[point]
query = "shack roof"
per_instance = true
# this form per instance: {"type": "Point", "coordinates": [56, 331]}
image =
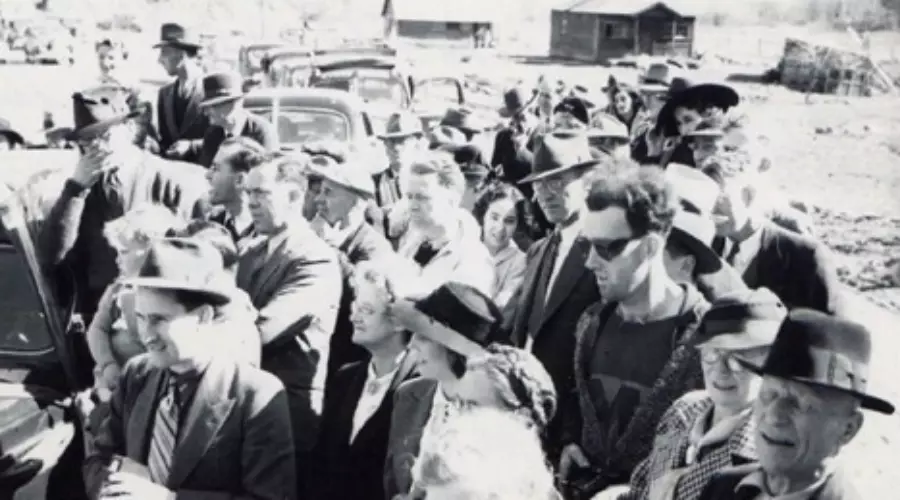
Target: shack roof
{"type": "Point", "coordinates": [624, 7]}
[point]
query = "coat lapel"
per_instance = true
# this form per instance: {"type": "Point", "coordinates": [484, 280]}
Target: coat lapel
{"type": "Point", "coordinates": [211, 407]}
{"type": "Point", "coordinates": [529, 285]}
{"type": "Point", "coordinates": [169, 104]}
{"type": "Point", "coordinates": [271, 262]}
{"type": "Point", "coordinates": [143, 413]}
{"type": "Point", "coordinates": [192, 111]}
{"type": "Point", "coordinates": [569, 275]}
{"type": "Point", "coordinates": [404, 370]}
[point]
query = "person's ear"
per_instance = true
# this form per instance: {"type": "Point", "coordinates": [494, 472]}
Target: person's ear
{"type": "Point", "coordinates": [851, 428]}
{"type": "Point", "coordinates": [206, 314]}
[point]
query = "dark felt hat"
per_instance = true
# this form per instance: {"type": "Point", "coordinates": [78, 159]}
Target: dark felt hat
{"type": "Point", "coordinates": [402, 124]}
{"type": "Point", "coordinates": [515, 100]}
{"type": "Point", "coordinates": [742, 319]}
{"type": "Point", "coordinates": [7, 130]}
{"type": "Point", "coordinates": [185, 264]}
{"type": "Point", "coordinates": [99, 109]}
{"type": "Point", "coordinates": [222, 87]}
{"type": "Point", "coordinates": [576, 107]}
{"type": "Point", "coordinates": [455, 315]}
{"type": "Point", "coordinates": [821, 350]}
{"type": "Point", "coordinates": [470, 159]}
{"type": "Point", "coordinates": [558, 152]}
{"type": "Point", "coordinates": [176, 35]}
{"type": "Point", "coordinates": [688, 92]}
{"type": "Point", "coordinates": [462, 119]}
{"type": "Point", "coordinates": [443, 136]}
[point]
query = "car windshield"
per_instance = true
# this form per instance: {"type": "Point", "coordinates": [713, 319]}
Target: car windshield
{"type": "Point", "coordinates": [255, 56]}
{"type": "Point", "coordinates": [376, 87]}
{"type": "Point", "coordinates": [301, 125]}
{"type": "Point", "coordinates": [23, 327]}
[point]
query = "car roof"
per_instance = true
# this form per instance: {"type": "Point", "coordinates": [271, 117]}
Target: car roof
{"type": "Point", "coordinates": [310, 96]}
{"type": "Point", "coordinates": [355, 61]}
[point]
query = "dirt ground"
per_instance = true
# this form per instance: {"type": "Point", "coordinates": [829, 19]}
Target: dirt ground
{"type": "Point", "coordinates": [840, 156]}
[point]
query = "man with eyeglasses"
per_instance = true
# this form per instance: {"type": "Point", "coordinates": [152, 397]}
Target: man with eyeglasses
{"type": "Point", "coordinates": [632, 352]}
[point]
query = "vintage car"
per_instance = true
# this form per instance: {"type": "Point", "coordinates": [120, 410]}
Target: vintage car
{"type": "Point", "coordinates": [250, 57]}
{"type": "Point", "coordinates": [288, 68]}
{"type": "Point", "coordinates": [304, 115]}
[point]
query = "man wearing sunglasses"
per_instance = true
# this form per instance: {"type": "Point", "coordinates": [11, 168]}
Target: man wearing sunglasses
{"type": "Point", "coordinates": [631, 354]}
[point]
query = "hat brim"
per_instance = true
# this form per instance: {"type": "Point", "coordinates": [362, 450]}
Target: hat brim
{"type": "Point", "coordinates": [95, 129]}
{"type": "Point", "coordinates": [753, 334]}
{"type": "Point", "coordinates": [705, 134]}
{"type": "Point", "coordinates": [718, 95]}
{"type": "Point", "coordinates": [220, 100]}
{"type": "Point", "coordinates": [707, 260]}
{"type": "Point", "coordinates": [327, 174]}
{"type": "Point", "coordinates": [657, 88]}
{"type": "Point", "coordinates": [866, 401]}
{"type": "Point", "coordinates": [420, 323]}
{"type": "Point", "coordinates": [176, 44]}
{"type": "Point", "coordinates": [217, 296]}
{"type": "Point", "coordinates": [12, 134]}
{"type": "Point", "coordinates": [556, 171]}
{"type": "Point", "coordinates": [401, 135]}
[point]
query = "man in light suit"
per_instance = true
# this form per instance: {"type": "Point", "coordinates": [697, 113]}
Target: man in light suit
{"type": "Point", "coordinates": [294, 281]}
{"type": "Point", "coordinates": [181, 122]}
{"type": "Point", "coordinates": [188, 421]}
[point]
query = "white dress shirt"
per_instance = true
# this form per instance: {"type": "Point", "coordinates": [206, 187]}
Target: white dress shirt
{"type": "Point", "coordinates": [747, 251]}
{"type": "Point", "coordinates": [372, 395]}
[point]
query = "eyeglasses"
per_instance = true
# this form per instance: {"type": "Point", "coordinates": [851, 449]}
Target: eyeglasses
{"type": "Point", "coordinates": [610, 249]}
{"type": "Point", "coordinates": [713, 356]}
{"type": "Point", "coordinates": [555, 183]}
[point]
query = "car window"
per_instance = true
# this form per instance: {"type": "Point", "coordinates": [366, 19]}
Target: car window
{"type": "Point", "coordinates": [23, 326]}
{"type": "Point", "coordinates": [301, 125]}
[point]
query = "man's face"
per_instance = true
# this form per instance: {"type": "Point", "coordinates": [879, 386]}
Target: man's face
{"type": "Point", "coordinates": [704, 148]}
{"type": "Point", "coordinates": [429, 202]}
{"type": "Point", "coordinates": [269, 200]}
{"type": "Point", "coordinates": [680, 263]}
{"type": "Point", "coordinates": [401, 150]}
{"type": "Point", "coordinates": [334, 202]}
{"type": "Point", "coordinates": [798, 427]}
{"type": "Point", "coordinates": [560, 196]}
{"type": "Point", "coordinates": [108, 59]}
{"type": "Point", "coordinates": [109, 141]}
{"type": "Point", "coordinates": [618, 258]}
{"type": "Point", "coordinates": [224, 182]}
{"type": "Point", "coordinates": [655, 101]}
{"type": "Point", "coordinates": [224, 114]}
{"type": "Point", "coordinates": [732, 209]}
{"type": "Point", "coordinates": [171, 59]}
{"type": "Point", "coordinates": [173, 336]}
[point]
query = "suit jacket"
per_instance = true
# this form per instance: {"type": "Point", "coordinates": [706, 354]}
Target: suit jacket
{"type": "Point", "coordinates": [255, 127]}
{"type": "Point", "coordinates": [363, 244]}
{"type": "Point", "coordinates": [412, 409]}
{"type": "Point", "coordinates": [72, 235]}
{"type": "Point", "coordinates": [336, 458]}
{"type": "Point", "coordinates": [798, 269]}
{"type": "Point", "coordinates": [294, 281]}
{"type": "Point", "coordinates": [554, 335]}
{"type": "Point", "coordinates": [194, 123]}
{"type": "Point", "coordinates": [509, 271]}
{"type": "Point", "coordinates": [723, 486]}
{"type": "Point", "coordinates": [234, 441]}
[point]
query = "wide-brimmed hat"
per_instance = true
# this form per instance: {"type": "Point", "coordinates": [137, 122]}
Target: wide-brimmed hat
{"type": "Point", "coordinates": [100, 109]}
{"type": "Point", "coordinates": [579, 91]}
{"type": "Point", "coordinates": [455, 315]}
{"type": "Point", "coordinates": [693, 225]}
{"type": "Point", "coordinates": [402, 124]}
{"type": "Point", "coordinates": [220, 87]}
{"type": "Point", "coordinates": [718, 95]}
{"type": "Point", "coordinates": [576, 107]}
{"type": "Point", "coordinates": [821, 350]}
{"type": "Point", "coordinates": [462, 119]}
{"type": "Point", "coordinates": [185, 264]}
{"type": "Point", "coordinates": [606, 125]}
{"type": "Point", "coordinates": [558, 152]}
{"type": "Point", "coordinates": [741, 319]}
{"type": "Point", "coordinates": [657, 77]}
{"type": "Point", "coordinates": [706, 129]}
{"type": "Point", "coordinates": [470, 159]}
{"type": "Point", "coordinates": [443, 136]}
{"type": "Point", "coordinates": [176, 35]}
{"type": "Point", "coordinates": [515, 100]}
{"type": "Point", "coordinates": [349, 175]}
{"type": "Point", "coordinates": [7, 130]}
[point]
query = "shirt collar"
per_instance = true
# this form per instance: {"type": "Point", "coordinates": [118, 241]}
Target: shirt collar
{"type": "Point", "coordinates": [757, 480]}
{"type": "Point", "coordinates": [372, 376]}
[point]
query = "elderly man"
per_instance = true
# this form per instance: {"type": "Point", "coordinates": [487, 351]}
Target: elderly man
{"type": "Point", "coordinates": [403, 139]}
{"type": "Point", "coordinates": [806, 412]}
{"type": "Point", "coordinates": [188, 421]}
{"type": "Point", "coordinates": [557, 287]}
{"type": "Point", "coordinates": [226, 175]}
{"type": "Point", "coordinates": [633, 356]}
{"type": "Point", "coordinates": [181, 122]}
{"type": "Point", "coordinates": [223, 103]}
{"type": "Point", "coordinates": [294, 280]}
{"type": "Point", "coordinates": [341, 209]}
{"type": "Point", "coordinates": [112, 176]}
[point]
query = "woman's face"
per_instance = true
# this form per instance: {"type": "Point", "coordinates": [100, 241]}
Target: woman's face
{"type": "Point", "coordinates": [369, 314]}
{"type": "Point", "coordinates": [500, 222]}
{"type": "Point", "coordinates": [130, 256]}
{"type": "Point", "coordinates": [729, 384]}
{"type": "Point", "coordinates": [687, 119]}
{"type": "Point", "coordinates": [622, 102]}
{"type": "Point", "coordinates": [433, 361]}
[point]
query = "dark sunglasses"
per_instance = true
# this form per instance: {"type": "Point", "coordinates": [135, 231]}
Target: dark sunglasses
{"type": "Point", "coordinates": [610, 249]}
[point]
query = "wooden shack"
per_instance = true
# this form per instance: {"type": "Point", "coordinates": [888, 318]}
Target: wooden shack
{"type": "Point", "coordinates": [600, 30]}
{"type": "Point", "coordinates": [435, 20]}
{"type": "Point", "coordinates": [823, 69]}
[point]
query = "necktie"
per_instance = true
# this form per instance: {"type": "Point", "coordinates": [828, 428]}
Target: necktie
{"type": "Point", "coordinates": [718, 245]}
{"type": "Point", "coordinates": [733, 252]}
{"type": "Point", "coordinates": [425, 253]}
{"type": "Point", "coordinates": [165, 435]}
{"type": "Point", "coordinates": [543, 282]}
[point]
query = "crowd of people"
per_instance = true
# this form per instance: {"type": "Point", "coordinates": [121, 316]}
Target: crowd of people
{"type": "Point", "coordinates": [612, 306]}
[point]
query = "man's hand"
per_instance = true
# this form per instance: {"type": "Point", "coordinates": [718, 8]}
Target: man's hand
{"type": "Point", "coordinates": [90, 167]}
{"type": "Point", "coordinates": [124, 485]}
{"type": "Point", "coordinates": [180, 149]}
{"type": "Point", "coordinates": [572, 457]}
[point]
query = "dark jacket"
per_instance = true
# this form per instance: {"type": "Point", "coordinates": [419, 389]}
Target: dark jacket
{"type": "Point", "coordinates": [515, 160]}
{"type": "Point", "coordinates": [73, 232]}
{"type": "Point", "coordinates": [193, 122]}
{"type": "Point", "coordinates": [345, 470]}
{"type": "Point", "coordinates": [255, 127]}
{"type": "Point", "coordinates": [724, 486]}
{"type": "Point", "coordinates": [235, 438]}
{"type": "Point", "coordinates": [413, 402]}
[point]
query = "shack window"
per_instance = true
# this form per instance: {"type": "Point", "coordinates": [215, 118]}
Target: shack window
{"type": "Point", "coordinates": [682, 30]}
{"type": "Point", "coordinates": [564, 26]}
{"type": "Point", "coordinates": [616, 31]}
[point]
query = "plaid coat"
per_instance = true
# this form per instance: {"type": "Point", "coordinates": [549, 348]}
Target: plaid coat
{"type": "Point", "coordinates": [671, 444]}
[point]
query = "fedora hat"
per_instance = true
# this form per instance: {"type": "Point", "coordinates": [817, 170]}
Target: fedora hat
{"type": "Point", "coordinates": [176, 35]}
{"type": "Point", "coordinates": [462, 119]}
{"type": "Point", "coordinates": [741, 319]}
{"type": "Point", "coordinates": [222, 87]}
{"type": "Point", "coordinates": [515, 100]}
{"type": "Point", "coordinates": [470, 159]}
{"type": "Point", "coordinates": [96, 111]}
{"type": "Point", "coordinates": [693, 225]}
{"type": "Point", "coordinates": [575, 106]}
{"type": "Point", "coordinates": [821, 350]}
{"type": "Point", "coordinates": [558, 152]}
{"type": "Point", "coordinates": [185, 264]}
{"type": "Point", "coordinates": [455, 315]}
{"type": "Point", "coordinates": [402, 124]}
{"type": "Point", "coordinates": [442, 136]}
{"type": "Point", "coordinates": [7, 130]}
{"type": "Point", "coordinates": [687, 91]}
{"type": "Point", "coordinates": [608, 126]}
{"type": "Point", "coordinates": [350, 176]}
{"type": "Point", "coordinates": [657, 78]}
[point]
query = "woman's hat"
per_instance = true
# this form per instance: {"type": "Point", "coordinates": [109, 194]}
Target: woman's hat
{"type": "Point", "coordinates": [176, 35]}
{"type": "Point", "coordinates": [185, 264]}
{"type": "Point", "coordinates": [515, 100]}
{"type": "Point", "coordinates": [402, 124]}
{"type": "Point", "coordinates": [222, 87]}
{"type": "Point", "coordinates": [559, 152]}
{"type": "Point", "coordinates": [100, 109]}
{"type": "Point", "coordinates": [821, 350]}
{"type": "Point", "coordinates": [455, 315]}
{"type": "Point", "coordinates": [575, 106]}
{"type": "Point", "coordinates": [718, 95]}
{"type": "Point", "coordinates": [742, 319]}
{"type": "Point", "coordinates": [347, 175]}
{"type": "Point", "coordinates": [693, 226]}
